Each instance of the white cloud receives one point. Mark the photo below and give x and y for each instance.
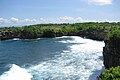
(21, 22)
(14, 20)
(1, 20)
(4, 21)
(66, 19)
(70, 19)
(100, 2)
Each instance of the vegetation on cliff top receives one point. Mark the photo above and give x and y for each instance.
(111, 74)
(69, 27)
(54, 30)
(113, 35)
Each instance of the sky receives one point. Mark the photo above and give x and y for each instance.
(26, 12)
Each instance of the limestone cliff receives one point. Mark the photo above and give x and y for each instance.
(26, 34)
(4, 35)
(111, 51)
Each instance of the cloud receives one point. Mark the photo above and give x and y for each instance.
(100, 2)
(1, 20)
(14, 20)
(21, 22)
(66, 19)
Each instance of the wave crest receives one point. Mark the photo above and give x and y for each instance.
(16, 73)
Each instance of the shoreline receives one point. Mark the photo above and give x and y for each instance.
(107, 32)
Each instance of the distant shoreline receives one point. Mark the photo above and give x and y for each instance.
(92, 30)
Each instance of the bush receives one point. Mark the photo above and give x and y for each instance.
(49, 33)
(111, 74)
(113, 35)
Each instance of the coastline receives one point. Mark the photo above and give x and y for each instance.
(108, 32)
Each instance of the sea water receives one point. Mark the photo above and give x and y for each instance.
(63, 58)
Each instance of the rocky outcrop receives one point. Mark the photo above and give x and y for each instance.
(111, 53)
(4, 35)
(94, 34)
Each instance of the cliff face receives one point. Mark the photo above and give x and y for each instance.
(111, 52)
(4, 35)
(93, 34)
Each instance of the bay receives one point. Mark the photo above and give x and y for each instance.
(63, 58)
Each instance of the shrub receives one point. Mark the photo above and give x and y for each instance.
(111, 74)
(113, 35)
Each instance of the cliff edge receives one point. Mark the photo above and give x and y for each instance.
(111, 51)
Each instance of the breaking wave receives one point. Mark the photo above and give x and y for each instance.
(16, 73)
(82, 61)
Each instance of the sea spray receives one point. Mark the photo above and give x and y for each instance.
(16, 73)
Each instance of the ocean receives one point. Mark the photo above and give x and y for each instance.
(61, 58)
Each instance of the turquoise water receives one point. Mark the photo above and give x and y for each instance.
(63, 58)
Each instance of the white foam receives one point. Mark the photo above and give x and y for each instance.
(74, 39)
(15, 39)
(16, 73)
(62, 37)
(79, 62)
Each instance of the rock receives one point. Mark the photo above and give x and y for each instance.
(94, 34)
(7, 34)
(111, 52)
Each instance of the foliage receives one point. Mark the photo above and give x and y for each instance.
(40, 30)
(48, 33)
(111, 74)
(113, 35)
